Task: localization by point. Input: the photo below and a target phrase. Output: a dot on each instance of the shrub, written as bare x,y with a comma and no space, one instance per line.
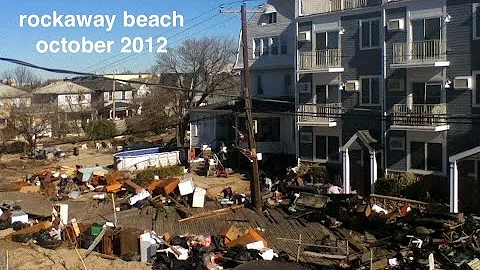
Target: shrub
100,129
414,187
319,173
146,176
16,147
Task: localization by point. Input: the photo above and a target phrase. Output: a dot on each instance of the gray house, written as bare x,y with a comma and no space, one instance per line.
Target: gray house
390,86
271,35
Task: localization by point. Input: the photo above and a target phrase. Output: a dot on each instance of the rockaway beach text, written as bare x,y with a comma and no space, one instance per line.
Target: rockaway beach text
108,22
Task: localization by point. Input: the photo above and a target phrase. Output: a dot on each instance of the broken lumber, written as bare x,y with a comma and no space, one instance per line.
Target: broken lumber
30,230
324,255
213,213
383,197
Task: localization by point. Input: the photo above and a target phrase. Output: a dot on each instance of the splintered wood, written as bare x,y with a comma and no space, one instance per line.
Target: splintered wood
213,213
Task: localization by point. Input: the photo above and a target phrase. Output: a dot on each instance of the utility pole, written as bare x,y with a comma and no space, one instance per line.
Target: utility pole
255,180
114,116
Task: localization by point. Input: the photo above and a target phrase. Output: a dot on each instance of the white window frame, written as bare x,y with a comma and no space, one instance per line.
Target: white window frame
194,130
475,7
426,138
475,92
369,90
370,33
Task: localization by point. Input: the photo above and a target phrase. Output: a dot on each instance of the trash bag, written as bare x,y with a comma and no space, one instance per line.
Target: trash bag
45,240
241,253
179,241
5,224
18,225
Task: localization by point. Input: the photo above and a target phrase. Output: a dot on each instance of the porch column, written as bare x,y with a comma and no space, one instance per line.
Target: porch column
453,187
110,114
373,172
346,171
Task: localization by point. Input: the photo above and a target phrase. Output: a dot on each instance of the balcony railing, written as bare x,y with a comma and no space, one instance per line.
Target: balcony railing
325,6
420,115
319,113
322,59
420,52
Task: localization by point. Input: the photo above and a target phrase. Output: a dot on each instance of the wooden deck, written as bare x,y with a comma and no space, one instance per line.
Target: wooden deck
279,225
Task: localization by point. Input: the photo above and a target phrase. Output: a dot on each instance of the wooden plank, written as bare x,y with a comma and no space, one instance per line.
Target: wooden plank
397,199
326,256
212,213
30,230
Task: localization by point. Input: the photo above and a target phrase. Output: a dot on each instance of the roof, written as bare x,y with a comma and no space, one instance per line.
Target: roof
7,91
366,138
62,87
100,84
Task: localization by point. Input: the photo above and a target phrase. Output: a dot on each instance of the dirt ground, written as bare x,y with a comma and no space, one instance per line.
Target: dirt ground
13,169
34,257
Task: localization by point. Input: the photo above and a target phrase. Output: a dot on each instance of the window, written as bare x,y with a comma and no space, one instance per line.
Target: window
326,148
259,85
476,21
283,45
476,89
274,45
426,93
272,18
123,95
426,29
265,45
326,40
194,130
426,156
268,129
257,48
369,33
370,91
469,169
110,95
287,84
306,137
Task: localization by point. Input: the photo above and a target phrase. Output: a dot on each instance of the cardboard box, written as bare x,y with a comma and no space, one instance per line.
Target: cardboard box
230,233
113,188
250,237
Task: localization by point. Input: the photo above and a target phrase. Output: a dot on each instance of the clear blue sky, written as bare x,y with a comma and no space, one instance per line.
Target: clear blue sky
17,42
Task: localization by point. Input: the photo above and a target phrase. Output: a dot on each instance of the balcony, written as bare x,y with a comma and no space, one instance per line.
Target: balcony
319,114
324,6
428,53
329,60
418,117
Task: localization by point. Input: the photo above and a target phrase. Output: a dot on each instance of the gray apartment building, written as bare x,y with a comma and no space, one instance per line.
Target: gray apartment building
390,86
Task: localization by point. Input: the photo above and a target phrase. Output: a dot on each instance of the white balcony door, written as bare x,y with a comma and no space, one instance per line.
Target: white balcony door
326,44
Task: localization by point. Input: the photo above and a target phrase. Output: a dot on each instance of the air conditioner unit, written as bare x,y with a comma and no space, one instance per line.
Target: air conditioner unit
351,86
396,25
464,82
304,36
304,88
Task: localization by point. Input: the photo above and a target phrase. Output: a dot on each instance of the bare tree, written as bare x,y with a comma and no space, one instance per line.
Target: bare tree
32,122
203,66
21,77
